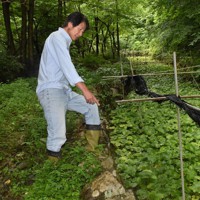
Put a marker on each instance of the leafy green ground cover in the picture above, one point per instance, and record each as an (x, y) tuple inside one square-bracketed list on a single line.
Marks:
[(25, 172), (145, 137)]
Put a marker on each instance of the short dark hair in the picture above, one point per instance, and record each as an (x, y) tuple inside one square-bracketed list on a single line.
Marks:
[(76, 18)]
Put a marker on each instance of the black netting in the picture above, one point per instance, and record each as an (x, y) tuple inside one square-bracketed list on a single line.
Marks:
[(138, 84), (192, 111)]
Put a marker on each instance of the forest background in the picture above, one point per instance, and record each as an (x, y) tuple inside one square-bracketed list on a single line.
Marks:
[(155, 27), (145, 143)]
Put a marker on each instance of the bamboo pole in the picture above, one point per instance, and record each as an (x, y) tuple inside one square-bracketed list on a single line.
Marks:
[(179, 129), (150, 74), (153, 99), (122, 73)]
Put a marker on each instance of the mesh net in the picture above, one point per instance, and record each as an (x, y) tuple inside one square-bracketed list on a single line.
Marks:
[(138, 84)]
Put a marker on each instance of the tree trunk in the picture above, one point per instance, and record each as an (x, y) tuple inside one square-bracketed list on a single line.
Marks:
[(112, 39), (97, 34), (117, 29), (30, 63), (118, 42), (6, 15), (23, 42), (60, 12)]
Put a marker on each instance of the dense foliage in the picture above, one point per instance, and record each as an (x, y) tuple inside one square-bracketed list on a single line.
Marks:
[(176, 26), (156, 27), (10, 68), (25, 172), (145, 137)]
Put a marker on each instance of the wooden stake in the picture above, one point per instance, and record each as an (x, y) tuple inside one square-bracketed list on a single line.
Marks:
[(153, 99), (179, 129), (151, 74)]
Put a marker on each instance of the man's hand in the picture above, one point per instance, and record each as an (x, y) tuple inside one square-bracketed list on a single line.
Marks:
[(89, 97)]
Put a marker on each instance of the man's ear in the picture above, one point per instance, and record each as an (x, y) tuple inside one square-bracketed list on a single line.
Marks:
[(70, 25)]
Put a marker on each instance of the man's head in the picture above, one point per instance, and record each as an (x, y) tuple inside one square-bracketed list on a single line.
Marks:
[(75, 25)]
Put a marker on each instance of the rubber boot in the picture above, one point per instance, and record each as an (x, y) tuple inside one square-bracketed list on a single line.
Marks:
[(53, 156), (92, 137), (53, 159)]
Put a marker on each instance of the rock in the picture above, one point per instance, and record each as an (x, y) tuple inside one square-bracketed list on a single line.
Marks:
[(106, 187), (107, 163)]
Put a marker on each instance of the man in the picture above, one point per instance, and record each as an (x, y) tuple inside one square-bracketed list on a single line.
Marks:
[(56, 76)]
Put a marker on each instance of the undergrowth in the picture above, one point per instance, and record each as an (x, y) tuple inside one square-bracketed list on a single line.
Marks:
[(25, 172), (145, 137)]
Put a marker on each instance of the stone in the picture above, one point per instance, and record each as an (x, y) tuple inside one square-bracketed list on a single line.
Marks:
[(107, 163), (106, 187)]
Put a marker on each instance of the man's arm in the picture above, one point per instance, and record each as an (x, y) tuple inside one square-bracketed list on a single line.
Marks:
[(90, 98)]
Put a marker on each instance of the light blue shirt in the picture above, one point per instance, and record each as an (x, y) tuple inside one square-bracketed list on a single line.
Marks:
[(56, 68)]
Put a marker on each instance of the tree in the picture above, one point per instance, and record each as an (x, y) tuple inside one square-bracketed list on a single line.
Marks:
[(23, 41), (161, 26), (177, 25), (30, 59), (9, 34)]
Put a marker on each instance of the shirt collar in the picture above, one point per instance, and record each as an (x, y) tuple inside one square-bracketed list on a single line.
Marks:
[(65, 34)]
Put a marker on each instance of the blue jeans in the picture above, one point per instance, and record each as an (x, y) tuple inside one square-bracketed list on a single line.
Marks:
[(55, 103)]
